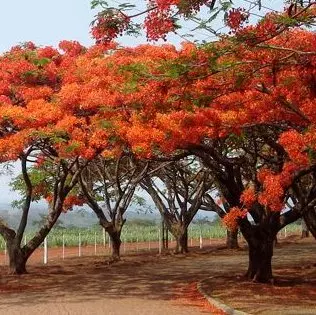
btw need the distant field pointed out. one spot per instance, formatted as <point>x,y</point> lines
<point>132,233</point>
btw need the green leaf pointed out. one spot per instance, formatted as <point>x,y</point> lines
<point>30,73</point>
<point>41,62</point>
<point>106,124</point>
<point>72,147</point>
<point>98,3</point>
<point>127,6</point>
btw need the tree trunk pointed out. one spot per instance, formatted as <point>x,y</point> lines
<point>17,259</point>
<point>276,242</point>
<point>116,242</point>
<point>310,220</point>
<point>40,235</point>
<point>232,239</point>
<point>182,242</point>
<point>305,231</point>
<point>260,259</point>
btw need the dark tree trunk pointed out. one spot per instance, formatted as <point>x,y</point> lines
<point>276,242</point>
<point>310,220</point>
<point>17,259</point>
<point>232,239</point>
<point>182,242</point>
<point>164,237</point>
<point>40,235</point>
<point>260,259</point>
<point>305,231</point>
<point>116,242</point>
<point>18,256</point>
<point>166,246</point>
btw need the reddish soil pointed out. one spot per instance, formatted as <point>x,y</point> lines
<point>294,288</point>
<point>147,283</point>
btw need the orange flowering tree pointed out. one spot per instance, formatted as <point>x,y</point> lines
<point>228,103</point>
<point>161,17</point>
<point>40,128</point>
<point>233,124</point>
<point>234,103</point>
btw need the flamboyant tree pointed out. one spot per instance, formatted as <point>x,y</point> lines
<point>39,128</point>
<point>235,103</point>
<point>186,17</point>
<point>305,230</point>
<point>224,102</point>
<point>177,190</point>
<point>213,201</point>
<point>109,186</point>
<point>63,176</point>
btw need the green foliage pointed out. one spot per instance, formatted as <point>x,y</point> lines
<point>72,147</point>
<point>38,177</point>
<point>30,74</point>
<point>99,3</point>
<point>106,124</point>
<point>135,72</point>
<point>311,154</point>
<point>174,69</point>
<point>202,101</point>
<point>41,62</point>
<point>130,87</point>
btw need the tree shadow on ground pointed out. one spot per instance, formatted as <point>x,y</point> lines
<point>148,276</point>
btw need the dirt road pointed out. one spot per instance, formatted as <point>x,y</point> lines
<point>140,284</point>
<point>144,284</point>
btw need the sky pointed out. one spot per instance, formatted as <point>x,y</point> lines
<point>44,22</point>
<point>47,22</point>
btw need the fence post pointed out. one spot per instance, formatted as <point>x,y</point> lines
<point>5,253</point>
<point>191,237</point>
<point>201,241</point>
<point>45,251</point>
<point>137,244</point>
<point>104,240</point>
<point>159,242</point>
<point>95,243</point>
<point>24,239</point>
<point>63,246</point>
<point>79,247</point>
<point>285,232</point>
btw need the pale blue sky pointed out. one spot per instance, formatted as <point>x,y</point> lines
<point>44,22</point>
<point>48,22</point>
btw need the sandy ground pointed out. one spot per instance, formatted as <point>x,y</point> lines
<point>142,283</point>
<point>148,283</point>
<point>294,290</point>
